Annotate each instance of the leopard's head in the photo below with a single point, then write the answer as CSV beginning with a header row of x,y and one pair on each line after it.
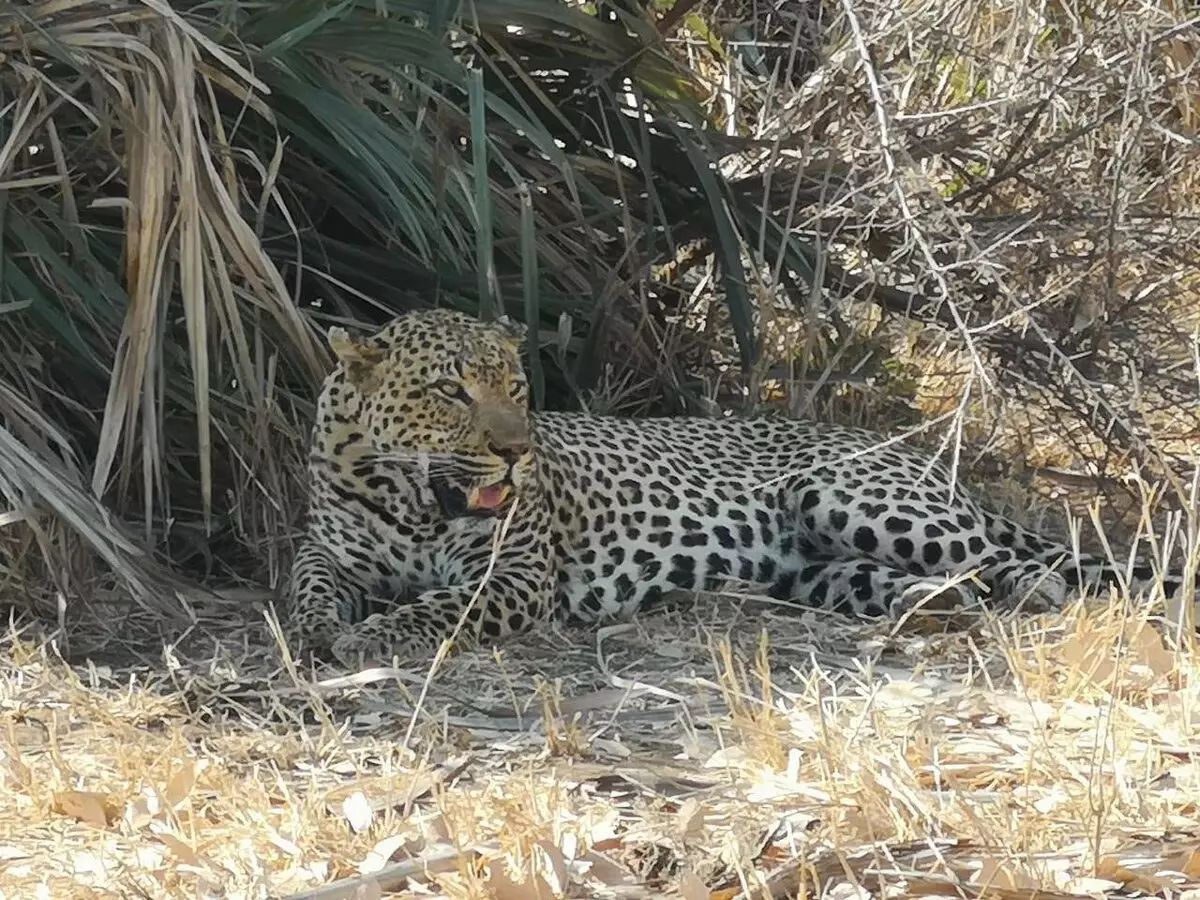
x,y
434,393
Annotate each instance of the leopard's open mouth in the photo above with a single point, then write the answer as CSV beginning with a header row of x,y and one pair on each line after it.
x,y
476,500
489,497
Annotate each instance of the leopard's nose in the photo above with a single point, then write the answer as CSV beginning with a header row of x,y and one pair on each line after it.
x,y
510,453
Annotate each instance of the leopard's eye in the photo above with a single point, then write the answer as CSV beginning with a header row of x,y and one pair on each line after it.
x,y
452,389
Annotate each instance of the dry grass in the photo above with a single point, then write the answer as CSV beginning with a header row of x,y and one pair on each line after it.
x,y
686,754
1020,181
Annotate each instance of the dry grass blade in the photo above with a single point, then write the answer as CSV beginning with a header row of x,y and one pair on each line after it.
x,y
148,226
393,876
226,59
29,481
192,280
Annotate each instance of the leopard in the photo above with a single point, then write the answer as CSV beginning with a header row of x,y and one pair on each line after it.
x,y
444,511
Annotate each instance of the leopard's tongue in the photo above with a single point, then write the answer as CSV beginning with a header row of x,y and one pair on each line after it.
x,y
491,496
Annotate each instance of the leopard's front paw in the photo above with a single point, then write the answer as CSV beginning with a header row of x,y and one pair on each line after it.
x,y
372,643
934,595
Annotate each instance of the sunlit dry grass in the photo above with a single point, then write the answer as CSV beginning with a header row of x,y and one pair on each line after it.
x,y
699,753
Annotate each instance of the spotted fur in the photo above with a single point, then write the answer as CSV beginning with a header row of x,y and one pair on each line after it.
x,y
424,449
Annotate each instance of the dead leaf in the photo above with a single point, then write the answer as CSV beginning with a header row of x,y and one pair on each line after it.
x,y
433,829
142,809
553,866
180,848
689,821
502,885
692,888
381,854
180,784
1111,869
1146,647
16,773
357,810
1089,656
1187,862
86,806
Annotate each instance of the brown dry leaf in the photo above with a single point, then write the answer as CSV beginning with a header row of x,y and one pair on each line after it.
x,y
14,774
774,853
180,848
421,784
1089,652
503,886
433,829
86,806
553,866
692,888
1187,862
1146,647
1182,57
605,870
689,821
1111,868
418,785
1089,656
30,736
142,809
180,784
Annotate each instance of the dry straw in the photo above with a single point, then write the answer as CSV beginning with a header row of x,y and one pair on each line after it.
x,y
1009,758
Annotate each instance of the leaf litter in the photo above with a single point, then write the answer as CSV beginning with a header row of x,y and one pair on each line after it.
x,y
719,750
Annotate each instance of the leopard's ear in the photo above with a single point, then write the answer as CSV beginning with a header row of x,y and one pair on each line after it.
x,y
512,331
358,359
